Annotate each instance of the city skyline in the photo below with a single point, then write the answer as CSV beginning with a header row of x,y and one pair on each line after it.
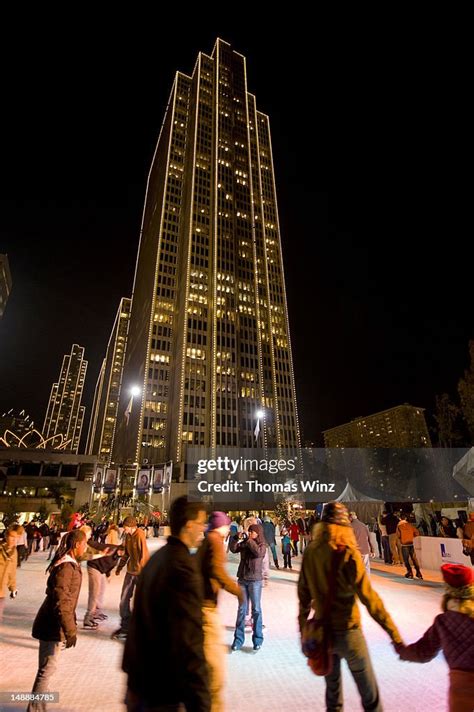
x,y
372,324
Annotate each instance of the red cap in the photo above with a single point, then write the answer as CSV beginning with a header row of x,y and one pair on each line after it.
x,y
457,575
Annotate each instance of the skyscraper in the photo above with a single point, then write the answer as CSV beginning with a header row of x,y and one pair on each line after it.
x,y
5,283
65,414
208,342
399,427
106,398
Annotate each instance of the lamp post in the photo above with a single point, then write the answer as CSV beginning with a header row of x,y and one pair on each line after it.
x,y
260,414
134,391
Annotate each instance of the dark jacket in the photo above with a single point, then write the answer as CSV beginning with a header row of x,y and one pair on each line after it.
x,y
269,532
164,652
451,632
105,564
56,619
251,557
391,522
211,558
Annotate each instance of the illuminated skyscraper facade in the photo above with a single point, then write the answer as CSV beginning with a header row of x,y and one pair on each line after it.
x,y
107,393
65,414
208,341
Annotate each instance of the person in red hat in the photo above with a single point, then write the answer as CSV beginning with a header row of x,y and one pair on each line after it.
x,y
453,633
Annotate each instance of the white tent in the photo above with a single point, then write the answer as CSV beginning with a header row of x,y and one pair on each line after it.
x,y
463,471
367,508
350,494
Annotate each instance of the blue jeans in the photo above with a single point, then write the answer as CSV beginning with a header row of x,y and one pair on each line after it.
x,y
272,548
49,651
128,589
351,645
252,591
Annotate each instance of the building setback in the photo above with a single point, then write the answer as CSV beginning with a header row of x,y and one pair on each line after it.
x,y
65,414
209,342
106,397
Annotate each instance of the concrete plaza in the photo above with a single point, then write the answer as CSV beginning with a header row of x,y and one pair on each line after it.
x,y
275,679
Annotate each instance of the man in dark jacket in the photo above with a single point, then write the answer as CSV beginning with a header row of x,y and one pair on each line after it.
x,y
390,521
269,534
252,548
164,653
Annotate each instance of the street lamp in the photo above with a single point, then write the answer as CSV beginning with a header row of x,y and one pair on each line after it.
x,y
135,390
259,414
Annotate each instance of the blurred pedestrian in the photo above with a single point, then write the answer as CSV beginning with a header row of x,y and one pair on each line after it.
x,y
164,653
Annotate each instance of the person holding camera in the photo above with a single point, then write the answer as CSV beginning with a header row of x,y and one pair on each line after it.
x,y
252,548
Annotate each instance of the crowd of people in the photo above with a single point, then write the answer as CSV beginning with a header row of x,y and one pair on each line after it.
x,y
173,628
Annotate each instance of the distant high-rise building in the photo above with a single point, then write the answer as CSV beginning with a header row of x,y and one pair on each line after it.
x,y
65,414
401,427
209,342
5,283
106,398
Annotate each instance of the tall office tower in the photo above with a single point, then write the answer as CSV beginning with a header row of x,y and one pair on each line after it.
x,y
399,427
106,398
209,342
65,414
5,283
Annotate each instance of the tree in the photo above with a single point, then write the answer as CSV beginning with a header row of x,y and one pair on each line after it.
x,y
466,394
446,415
12,510
66,513
43,511
62,492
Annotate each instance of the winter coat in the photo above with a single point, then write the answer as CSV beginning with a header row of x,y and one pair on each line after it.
x,y
164,652
406,532
352,581
8,564
269,532
211,559
251,557
56,619
136,552
451,632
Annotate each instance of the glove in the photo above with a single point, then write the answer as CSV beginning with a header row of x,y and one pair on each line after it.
x,y
71,641
13,594
399,647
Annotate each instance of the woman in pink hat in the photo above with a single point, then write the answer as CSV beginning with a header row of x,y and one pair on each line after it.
x,y
453,633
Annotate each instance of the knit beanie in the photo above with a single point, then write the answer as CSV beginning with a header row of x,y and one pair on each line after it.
x,y
218,519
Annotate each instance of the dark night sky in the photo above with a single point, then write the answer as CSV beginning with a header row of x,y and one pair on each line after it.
x,y
368,146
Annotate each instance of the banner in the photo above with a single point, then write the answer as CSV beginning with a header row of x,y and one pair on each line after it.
x,y
158,477
142,484
110,480
98,475
168,475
